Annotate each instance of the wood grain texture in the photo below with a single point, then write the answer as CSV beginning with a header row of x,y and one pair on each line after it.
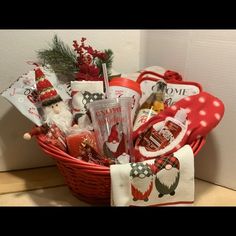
x,y
22,180
41,187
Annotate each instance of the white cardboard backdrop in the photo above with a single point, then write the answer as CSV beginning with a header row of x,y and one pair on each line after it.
x,y
209,57
19,46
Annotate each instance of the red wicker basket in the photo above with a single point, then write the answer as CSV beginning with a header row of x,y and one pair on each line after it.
x,y
87,181
91,182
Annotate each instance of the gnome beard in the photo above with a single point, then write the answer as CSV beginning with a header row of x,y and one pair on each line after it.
x,y
167,180
141,177
142,184
61,117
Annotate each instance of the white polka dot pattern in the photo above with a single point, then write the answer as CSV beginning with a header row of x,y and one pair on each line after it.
x,y
173,108
202,112
217,116
187,99
201,99
203,123
216,103
188,110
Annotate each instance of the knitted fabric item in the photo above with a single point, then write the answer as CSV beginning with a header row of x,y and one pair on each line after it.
x,y
47,93
204,112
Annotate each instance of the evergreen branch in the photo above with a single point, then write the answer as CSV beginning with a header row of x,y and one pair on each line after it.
x,y
108,61
60,57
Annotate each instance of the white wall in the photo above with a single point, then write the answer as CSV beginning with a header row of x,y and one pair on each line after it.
x,y
208,57
19,46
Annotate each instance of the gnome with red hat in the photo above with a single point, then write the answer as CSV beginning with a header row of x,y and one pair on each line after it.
x,y
113,138
114,147
57,115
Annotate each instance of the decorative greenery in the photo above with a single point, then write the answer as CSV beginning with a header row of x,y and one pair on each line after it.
x,y
60,57
108,61
82,63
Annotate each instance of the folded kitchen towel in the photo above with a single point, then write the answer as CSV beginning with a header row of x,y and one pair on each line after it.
x,y
166,180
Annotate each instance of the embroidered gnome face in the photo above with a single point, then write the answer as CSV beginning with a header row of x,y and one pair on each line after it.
x,y
55,110
167,174
141,177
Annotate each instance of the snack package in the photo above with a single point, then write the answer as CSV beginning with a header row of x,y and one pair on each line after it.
x,y
23,95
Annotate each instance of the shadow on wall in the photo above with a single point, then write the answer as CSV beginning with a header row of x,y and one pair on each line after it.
x,y
207,162
15,152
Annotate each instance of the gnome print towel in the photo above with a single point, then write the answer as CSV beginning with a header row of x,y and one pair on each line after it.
x,y
166,180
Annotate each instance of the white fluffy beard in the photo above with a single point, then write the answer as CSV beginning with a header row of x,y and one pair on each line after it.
x,y
142,184
112,146
63,120
167,177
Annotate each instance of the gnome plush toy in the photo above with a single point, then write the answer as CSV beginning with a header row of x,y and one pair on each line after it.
x,y
57,116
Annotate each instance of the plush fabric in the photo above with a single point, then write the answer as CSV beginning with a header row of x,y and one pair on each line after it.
x,y
204,112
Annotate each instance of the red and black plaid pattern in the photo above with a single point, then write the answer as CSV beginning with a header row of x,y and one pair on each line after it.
x,y
162,161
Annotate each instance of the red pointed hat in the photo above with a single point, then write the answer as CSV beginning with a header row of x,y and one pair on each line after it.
x,y
113,135
47,93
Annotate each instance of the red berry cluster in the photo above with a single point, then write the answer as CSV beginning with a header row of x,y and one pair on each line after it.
x,y
86,58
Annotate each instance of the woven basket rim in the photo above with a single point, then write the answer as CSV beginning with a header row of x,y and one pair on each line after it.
x,y
66,158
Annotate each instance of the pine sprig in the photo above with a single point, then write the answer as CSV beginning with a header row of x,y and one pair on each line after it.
x,y
60,57
81,63
108,61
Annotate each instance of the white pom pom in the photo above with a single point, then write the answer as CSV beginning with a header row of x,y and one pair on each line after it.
x,y
27,136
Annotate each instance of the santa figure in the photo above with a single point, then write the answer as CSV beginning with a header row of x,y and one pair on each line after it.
x,y
167,175
57,116
141,177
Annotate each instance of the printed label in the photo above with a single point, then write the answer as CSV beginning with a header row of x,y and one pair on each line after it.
x,y
174,92
143,116
152,140
167,134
